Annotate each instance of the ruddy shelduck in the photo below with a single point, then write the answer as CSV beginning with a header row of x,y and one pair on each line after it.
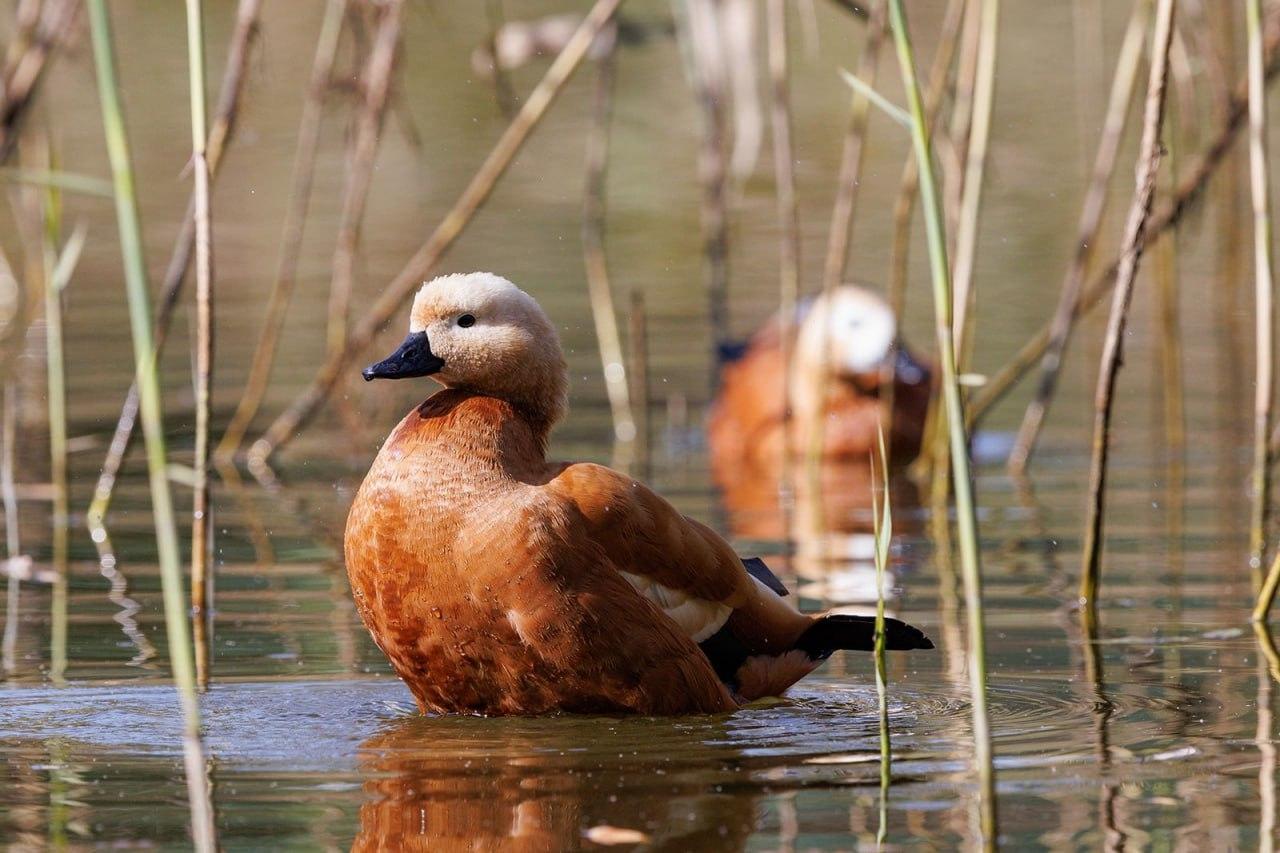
x,y
497,582
847,355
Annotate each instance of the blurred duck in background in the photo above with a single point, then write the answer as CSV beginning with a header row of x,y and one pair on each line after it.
x,y
847,360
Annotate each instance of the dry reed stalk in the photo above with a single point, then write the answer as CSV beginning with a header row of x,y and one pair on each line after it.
x,y
1268,672
1183,74
639,375
952,149
375,86
16,330
1264,307
788,230
403,286
846,201
13,544
975,167
700,33
908,184
201,541
220,129
1189,191
1091,214
1263,393
117,143
953,146
286,277
1087,35
595,260
503,93
40,30
953,406
1168,327
1131,253
840,235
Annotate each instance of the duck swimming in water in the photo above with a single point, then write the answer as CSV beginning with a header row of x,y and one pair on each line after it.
x,y
846,350
497,582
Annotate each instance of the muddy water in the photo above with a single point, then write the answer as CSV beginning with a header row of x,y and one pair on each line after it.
x,y
1157,733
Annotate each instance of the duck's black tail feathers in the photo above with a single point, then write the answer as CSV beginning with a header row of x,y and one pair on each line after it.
x,y
858,633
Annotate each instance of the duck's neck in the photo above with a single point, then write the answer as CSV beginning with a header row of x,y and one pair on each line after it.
x,y
539,400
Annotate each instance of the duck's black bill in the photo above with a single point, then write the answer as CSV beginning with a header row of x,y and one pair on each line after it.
x,y
413,358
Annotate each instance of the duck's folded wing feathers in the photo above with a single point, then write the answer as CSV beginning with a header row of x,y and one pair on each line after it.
x,y
641,531
680,564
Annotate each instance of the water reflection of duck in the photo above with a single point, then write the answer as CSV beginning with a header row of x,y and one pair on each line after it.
x,y
830,527
499,583
448,784
845,345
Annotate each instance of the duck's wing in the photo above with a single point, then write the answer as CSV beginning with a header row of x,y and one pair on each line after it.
x,y
756,641
681,565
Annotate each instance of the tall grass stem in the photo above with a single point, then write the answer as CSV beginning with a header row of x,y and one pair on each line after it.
x,y
220,131
966,520
130,232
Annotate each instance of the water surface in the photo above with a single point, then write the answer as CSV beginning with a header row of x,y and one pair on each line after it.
x,y
1159,734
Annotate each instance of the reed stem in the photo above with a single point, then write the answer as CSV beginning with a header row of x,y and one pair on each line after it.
x,y
842,214
1264,394
1130,254
304,160
975,168
839,239
403,286
1190,189
13,543
966,521
502,89
374,88
201,543
1095,206
638,336
31,52
904,205
594,207
1264,308
117,143
698,25
882,523
55,279
246,28
788,231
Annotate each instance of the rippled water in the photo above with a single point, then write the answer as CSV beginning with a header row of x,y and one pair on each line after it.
x,y
1158,734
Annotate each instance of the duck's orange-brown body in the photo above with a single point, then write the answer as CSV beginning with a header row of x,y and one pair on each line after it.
x,y
493,580
748,427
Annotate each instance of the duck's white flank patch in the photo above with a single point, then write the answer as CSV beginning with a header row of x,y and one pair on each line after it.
x,y
697,617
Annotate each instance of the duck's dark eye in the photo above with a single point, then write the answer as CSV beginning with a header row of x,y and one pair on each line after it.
x,y
466,321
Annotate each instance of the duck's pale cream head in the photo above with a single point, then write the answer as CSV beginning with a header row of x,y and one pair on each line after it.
x,y
857,328
479,332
